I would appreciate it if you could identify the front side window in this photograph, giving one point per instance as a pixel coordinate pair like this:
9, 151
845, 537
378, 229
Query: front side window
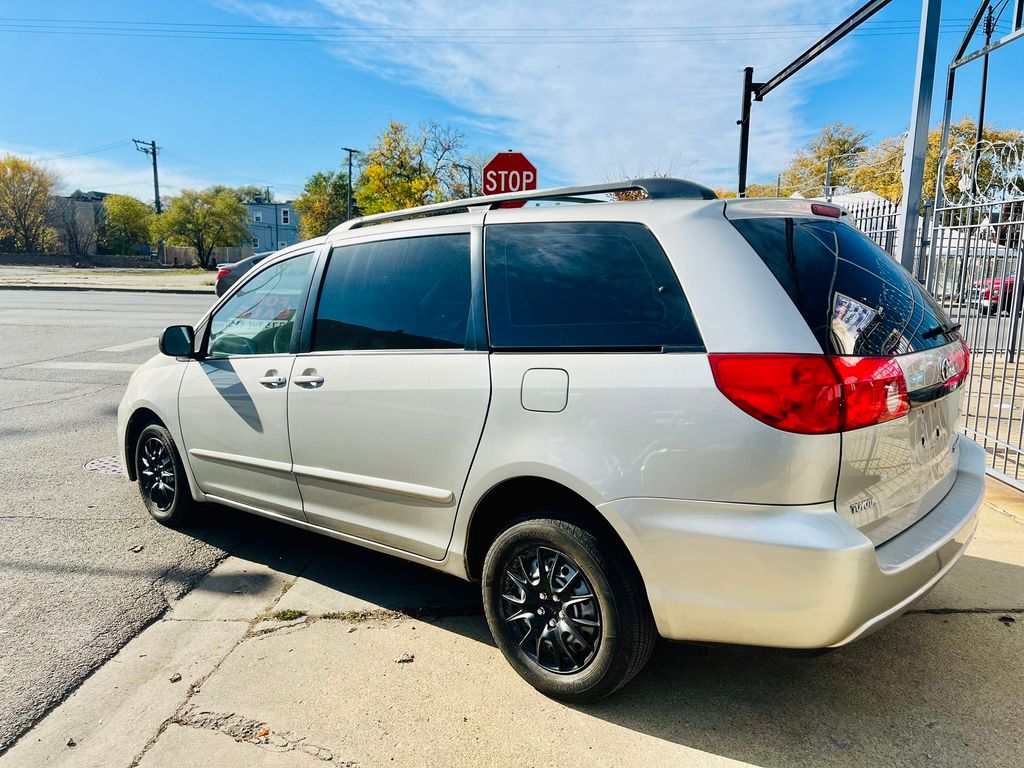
259, 319
409, 293
577, 285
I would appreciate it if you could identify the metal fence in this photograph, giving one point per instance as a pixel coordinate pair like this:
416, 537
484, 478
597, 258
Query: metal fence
973, 260
877, 219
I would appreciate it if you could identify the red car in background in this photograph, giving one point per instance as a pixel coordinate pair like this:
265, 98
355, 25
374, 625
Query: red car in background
993, 294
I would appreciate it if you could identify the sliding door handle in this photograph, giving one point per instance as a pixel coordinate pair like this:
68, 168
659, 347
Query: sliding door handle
273, 380
309, 379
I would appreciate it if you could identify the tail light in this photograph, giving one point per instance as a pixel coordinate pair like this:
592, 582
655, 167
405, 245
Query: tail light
222, 271
813, 394
960, 365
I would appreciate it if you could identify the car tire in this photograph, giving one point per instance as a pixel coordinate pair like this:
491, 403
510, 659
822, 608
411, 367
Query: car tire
161, 476
568, 646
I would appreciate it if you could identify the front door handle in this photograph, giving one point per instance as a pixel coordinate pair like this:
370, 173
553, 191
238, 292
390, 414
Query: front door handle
273, 380
309, 379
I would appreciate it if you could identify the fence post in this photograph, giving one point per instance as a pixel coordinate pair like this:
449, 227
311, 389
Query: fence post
922, 251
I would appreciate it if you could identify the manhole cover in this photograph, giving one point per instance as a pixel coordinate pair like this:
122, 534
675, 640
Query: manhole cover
107, 465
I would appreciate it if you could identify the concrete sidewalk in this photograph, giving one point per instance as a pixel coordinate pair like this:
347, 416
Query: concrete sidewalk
299, 651
103, 279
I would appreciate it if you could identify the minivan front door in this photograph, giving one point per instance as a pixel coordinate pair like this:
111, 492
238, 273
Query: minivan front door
386, 410
232, 402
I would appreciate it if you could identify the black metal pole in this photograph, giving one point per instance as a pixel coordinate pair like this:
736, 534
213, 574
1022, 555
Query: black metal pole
989, 29
744, 124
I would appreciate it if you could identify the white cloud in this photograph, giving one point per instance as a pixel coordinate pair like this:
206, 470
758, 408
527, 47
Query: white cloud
595, 110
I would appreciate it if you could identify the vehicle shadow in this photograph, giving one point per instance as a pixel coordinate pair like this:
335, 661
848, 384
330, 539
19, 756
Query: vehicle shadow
364, 576
938, 687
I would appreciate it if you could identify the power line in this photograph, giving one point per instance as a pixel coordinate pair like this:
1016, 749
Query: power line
125, 22
92, 150
359, 36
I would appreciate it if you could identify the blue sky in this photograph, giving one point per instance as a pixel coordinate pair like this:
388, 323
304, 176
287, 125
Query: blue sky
268, 92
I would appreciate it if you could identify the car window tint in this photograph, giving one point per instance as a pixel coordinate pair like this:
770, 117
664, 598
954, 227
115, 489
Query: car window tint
260, 317
856, 299
583, 285
408, 293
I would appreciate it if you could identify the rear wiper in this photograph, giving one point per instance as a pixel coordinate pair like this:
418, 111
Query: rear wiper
945, 328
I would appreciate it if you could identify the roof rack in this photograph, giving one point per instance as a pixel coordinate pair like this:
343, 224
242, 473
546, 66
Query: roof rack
661, 188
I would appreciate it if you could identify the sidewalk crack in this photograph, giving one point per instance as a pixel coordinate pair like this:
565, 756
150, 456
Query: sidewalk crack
246, 730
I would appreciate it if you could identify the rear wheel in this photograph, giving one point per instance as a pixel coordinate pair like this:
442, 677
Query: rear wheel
568, 611
161, 477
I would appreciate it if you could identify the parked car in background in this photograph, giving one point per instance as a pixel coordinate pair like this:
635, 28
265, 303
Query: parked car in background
228, 274
994, 294
718, 421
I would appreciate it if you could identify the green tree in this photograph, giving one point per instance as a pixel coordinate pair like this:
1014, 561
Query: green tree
25, 190
805, 173
248, 193
323, 203
404, 169
126, 224
204, 220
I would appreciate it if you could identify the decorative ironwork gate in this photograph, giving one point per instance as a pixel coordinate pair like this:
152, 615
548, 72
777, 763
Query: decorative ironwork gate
976, 270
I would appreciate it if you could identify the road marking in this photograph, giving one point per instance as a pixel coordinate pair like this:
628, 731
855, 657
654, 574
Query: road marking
68, 365
150, 342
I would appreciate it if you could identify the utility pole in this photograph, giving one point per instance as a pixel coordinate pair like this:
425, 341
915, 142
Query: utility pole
778, 186
348, 208
469, 171
150, 148
990, 27
828, 179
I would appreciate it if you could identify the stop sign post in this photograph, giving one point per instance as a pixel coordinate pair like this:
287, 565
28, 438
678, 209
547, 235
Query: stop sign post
509, 172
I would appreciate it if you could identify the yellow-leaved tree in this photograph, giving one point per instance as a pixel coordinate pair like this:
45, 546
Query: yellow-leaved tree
407, 168
880, 168
25, 190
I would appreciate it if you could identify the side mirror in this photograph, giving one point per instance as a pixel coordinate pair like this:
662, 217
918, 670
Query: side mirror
177, 341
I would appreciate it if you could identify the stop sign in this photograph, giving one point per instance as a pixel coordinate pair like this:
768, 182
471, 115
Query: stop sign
509, 172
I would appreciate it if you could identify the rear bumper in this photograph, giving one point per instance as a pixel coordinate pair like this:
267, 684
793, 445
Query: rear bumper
790, 577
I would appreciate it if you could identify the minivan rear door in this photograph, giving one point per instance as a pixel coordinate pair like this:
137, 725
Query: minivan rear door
859, 302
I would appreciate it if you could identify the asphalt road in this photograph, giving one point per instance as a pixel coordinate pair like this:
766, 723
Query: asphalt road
82, 568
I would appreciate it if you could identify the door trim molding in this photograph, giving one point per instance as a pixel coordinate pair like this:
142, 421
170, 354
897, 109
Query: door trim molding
411, 490
241, 461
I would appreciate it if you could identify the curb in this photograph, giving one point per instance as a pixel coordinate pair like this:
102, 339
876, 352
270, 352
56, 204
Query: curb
206, 290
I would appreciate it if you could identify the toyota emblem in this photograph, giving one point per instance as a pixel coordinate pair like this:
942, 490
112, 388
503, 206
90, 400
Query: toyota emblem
946, 369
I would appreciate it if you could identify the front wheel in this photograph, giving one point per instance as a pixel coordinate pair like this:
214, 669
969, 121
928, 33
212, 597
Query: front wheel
568, 611
161, 477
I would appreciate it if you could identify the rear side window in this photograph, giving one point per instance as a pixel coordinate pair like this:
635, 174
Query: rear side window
854, 296
583, 286
410, 293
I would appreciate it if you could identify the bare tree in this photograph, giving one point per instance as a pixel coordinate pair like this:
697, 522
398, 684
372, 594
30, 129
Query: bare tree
75, 223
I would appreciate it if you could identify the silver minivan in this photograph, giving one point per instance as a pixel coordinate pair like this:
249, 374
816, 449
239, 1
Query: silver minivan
718, 421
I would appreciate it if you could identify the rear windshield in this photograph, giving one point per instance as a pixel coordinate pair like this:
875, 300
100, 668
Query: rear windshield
856, 299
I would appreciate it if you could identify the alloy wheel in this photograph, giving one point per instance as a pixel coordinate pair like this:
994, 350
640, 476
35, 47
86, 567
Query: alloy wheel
549, 609
156, 473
